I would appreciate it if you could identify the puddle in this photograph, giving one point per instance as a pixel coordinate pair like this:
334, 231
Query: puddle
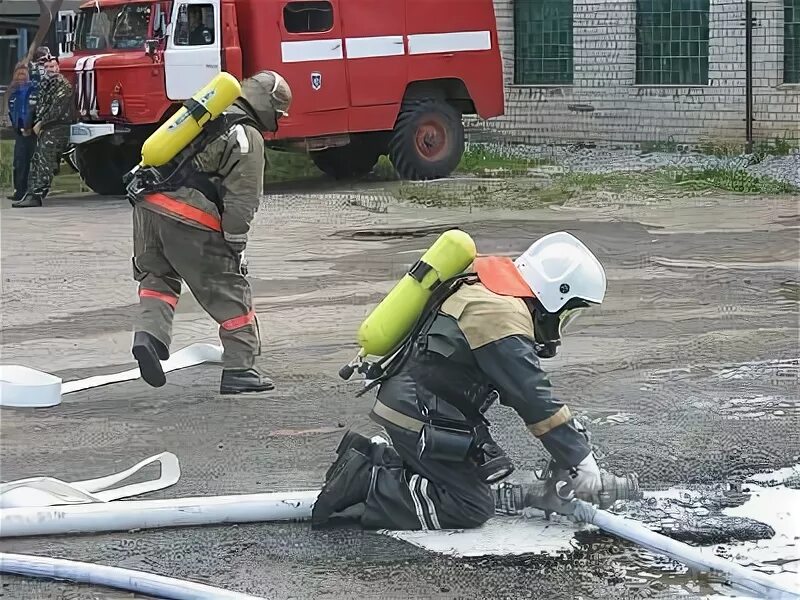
771, 502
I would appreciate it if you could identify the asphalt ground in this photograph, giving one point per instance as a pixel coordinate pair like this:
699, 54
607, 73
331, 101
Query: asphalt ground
697, 287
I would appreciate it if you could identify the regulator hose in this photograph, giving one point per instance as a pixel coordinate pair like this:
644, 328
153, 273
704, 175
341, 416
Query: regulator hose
116, 577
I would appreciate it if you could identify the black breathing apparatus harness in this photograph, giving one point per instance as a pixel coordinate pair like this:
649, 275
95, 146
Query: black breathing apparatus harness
441, 439
180, 172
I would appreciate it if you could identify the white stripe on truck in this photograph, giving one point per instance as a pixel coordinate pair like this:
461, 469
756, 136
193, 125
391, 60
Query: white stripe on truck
460, 41
311, 50
369, 47
385, 45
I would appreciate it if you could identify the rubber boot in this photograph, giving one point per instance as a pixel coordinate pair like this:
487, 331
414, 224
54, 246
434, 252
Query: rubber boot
244, 381
29, 200
149, 352
348, 485
351, 439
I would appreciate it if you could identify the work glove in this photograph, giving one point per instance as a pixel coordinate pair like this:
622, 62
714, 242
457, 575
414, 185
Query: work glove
586, 481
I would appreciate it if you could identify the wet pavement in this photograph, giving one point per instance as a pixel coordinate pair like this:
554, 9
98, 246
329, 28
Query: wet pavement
687, 374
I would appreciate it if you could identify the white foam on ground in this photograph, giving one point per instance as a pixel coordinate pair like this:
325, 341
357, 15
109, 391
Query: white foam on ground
778, 507
498, 536
776, 477
779, 556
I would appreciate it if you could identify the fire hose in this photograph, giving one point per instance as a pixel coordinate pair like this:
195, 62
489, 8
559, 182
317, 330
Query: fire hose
554, 493
127, 579
126, 515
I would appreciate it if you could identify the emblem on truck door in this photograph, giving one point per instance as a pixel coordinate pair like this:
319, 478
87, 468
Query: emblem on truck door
316, 80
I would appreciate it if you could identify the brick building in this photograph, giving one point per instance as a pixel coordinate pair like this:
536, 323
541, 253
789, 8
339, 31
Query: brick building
630, 71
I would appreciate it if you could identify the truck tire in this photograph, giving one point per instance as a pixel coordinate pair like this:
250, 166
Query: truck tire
428, 140
346, 162
102, 165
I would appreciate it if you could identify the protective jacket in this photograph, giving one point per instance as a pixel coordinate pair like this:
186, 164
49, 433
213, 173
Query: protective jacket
220, 189
480, 348
54, 102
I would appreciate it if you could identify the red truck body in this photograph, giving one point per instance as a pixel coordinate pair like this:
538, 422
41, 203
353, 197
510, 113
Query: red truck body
355, 67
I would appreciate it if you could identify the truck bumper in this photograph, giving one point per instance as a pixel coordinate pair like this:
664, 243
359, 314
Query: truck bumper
81, 133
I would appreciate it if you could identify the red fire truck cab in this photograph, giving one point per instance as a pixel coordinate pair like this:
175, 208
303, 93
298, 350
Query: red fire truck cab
368, 77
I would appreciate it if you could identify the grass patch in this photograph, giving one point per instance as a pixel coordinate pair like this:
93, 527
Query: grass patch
669, 145
761, 150
729, 180
522, 193
776, 147
6, 164
481, 161
511, 188
288, 166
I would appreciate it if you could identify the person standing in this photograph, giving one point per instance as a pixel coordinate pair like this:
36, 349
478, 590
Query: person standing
55, 112
19, 94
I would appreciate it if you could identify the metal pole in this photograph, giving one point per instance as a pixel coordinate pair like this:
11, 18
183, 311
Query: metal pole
748, 80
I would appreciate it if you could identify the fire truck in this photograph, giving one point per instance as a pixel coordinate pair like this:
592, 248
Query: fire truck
368, 77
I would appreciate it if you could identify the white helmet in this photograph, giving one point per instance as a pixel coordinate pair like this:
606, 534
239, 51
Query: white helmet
565, 277
558, 268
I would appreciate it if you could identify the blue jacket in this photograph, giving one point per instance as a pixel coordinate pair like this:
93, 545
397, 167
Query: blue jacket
21, 103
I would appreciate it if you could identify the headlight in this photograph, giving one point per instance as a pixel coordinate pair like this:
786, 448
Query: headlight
116, 107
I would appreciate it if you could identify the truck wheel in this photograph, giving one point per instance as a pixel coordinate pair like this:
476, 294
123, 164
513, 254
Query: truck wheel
103, 164
346, 162
428, 140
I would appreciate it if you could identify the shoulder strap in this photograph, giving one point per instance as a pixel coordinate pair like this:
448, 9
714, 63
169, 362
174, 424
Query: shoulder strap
180, 168
397, 357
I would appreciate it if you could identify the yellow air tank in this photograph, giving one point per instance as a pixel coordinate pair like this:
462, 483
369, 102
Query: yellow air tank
393, 318
186, 124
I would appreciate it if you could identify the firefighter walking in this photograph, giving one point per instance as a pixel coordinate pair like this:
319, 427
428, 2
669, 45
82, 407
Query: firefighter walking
55, 112
197, 234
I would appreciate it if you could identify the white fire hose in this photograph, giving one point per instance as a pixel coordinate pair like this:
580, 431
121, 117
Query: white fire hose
691, 556
250, 508
116, 577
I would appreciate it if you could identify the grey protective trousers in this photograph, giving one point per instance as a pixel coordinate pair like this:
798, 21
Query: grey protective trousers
167, 252
409, 494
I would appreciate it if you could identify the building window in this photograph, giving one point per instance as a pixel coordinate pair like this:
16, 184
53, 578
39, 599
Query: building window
791, 41
543, 42
672, 42
308, 17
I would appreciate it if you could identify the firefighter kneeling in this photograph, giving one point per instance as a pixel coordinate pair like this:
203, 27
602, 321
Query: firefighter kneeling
478, 340
192, 226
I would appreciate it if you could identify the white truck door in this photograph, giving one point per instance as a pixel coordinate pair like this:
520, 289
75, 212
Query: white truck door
193, 54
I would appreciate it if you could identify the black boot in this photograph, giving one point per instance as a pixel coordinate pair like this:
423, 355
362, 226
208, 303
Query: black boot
348, 485
29, 200
351, 439
149, 352
243, 381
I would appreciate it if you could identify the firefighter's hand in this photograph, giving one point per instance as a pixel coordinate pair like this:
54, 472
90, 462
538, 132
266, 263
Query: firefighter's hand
26, 132
37, 129
587, 482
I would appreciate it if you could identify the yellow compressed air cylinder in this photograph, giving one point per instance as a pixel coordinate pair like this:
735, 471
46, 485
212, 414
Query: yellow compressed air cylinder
393, 318
185, 125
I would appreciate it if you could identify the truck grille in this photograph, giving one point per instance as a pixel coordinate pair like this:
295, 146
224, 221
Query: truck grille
86, 85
